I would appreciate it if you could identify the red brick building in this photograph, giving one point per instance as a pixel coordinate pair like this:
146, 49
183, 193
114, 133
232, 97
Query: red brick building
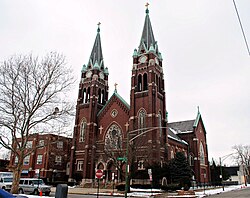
51, 159
193, 132
103, 126
4, 163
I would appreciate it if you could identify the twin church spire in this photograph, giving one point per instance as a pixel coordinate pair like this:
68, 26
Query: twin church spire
96, 58
147, 44
147, 38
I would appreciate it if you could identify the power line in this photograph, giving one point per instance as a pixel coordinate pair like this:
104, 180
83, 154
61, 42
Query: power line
241, 27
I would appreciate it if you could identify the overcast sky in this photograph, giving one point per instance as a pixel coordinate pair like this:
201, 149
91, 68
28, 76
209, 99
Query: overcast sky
205, 59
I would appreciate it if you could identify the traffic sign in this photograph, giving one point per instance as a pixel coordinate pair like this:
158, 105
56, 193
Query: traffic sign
99, 174
122, 159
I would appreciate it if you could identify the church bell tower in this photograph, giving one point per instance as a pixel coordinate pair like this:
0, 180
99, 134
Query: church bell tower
92, 96
147, 99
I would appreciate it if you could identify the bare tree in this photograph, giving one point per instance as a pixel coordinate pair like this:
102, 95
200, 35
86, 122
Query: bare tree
242, 157
31, 101
5, 154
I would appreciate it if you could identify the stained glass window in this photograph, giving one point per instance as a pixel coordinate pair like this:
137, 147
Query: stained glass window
82, 130
113, 138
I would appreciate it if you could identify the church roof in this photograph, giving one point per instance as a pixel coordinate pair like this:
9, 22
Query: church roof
115, 94
173, 136
182, 126
96, 57
186, 126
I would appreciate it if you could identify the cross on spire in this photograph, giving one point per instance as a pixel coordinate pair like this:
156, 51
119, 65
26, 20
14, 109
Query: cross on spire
98, 24
115, 87
147, 4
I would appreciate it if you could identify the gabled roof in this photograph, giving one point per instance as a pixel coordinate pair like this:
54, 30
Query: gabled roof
115, 94
182, 126
197, 118
96, 57
186, 126
173, 136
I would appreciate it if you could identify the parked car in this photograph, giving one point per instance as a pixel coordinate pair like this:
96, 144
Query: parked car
33, 186
5, 183
6, 174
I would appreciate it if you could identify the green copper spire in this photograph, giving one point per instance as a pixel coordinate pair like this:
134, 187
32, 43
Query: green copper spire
147, 38
96, 54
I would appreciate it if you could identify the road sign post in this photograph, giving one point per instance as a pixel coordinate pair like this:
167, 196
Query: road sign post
98, 175
150, 178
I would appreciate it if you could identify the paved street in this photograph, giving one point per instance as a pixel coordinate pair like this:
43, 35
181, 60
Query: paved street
78, 196
242, 193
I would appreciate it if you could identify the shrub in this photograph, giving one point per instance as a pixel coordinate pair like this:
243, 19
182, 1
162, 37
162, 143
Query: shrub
171, 187
120, 187
185, 183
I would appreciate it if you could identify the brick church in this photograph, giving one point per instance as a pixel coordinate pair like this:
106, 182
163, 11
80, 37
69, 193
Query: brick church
104, 126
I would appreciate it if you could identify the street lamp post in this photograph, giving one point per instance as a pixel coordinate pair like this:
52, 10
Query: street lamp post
127, 152
221, 175
126, 178
221, 172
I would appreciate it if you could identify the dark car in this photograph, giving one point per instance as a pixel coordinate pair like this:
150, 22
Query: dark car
5, 194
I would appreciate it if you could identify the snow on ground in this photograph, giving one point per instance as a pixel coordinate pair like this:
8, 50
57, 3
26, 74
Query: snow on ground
219, 190
32, 196
200, 193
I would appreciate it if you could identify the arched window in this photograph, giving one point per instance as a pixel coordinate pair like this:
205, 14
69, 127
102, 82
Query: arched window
83, 128
141, 119
202, 154
160, 123
99, 96
139, 83
100, 166
145, 82
159, 85
84, 95
87, 95
113, 138
191, 160
103, 99
156, 80
171, 154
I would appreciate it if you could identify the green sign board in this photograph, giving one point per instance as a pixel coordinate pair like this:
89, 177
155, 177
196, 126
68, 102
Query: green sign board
122, 159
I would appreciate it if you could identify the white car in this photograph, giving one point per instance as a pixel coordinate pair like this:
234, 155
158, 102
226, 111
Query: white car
33, 186
6, 183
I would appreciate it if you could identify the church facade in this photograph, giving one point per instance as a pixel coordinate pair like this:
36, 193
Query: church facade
109, 129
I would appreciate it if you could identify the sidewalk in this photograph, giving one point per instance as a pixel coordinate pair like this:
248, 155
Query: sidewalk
199, 193
86, 191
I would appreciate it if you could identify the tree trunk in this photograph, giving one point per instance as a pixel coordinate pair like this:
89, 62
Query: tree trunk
16, 177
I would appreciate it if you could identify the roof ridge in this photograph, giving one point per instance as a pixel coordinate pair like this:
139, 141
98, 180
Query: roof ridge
108, 102
182, 121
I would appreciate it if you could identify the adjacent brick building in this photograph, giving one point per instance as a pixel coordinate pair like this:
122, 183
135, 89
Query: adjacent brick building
4, 163
51, 159
103, 126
